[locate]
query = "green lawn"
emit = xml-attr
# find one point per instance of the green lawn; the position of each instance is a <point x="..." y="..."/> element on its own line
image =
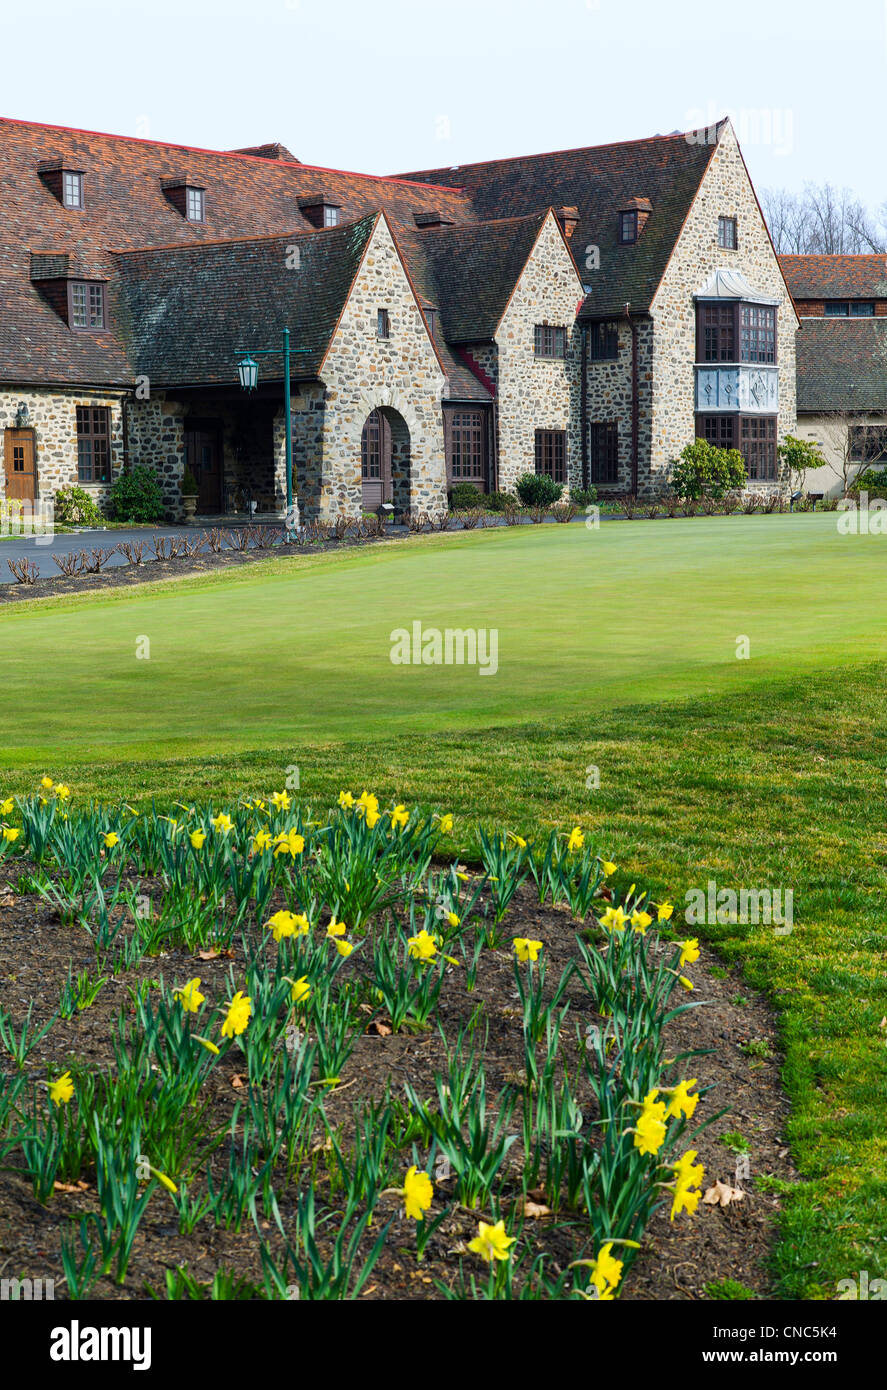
<point x="616" y="648"/>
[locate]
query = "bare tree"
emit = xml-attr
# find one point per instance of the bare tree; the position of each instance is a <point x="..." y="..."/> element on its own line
<point x="824" y="220"/>
<point x="852" y="444"/>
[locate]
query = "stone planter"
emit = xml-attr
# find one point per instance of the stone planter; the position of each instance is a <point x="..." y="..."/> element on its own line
<point x="189" y="501"/>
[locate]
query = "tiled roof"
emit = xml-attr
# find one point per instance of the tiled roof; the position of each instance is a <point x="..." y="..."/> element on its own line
<point x="842" y="364"/>
<point x="187" y="313"/>
<point x="835" y="277"/>
<point x="126" y="208"/>
<point x="469" y="272"/>
<point x="600" y="181"/>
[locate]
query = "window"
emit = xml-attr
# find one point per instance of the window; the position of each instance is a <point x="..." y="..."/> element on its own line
<point x="603" y="342"/>
<point x="87" y="305"/>
<point x="93" y="444"/>
<point x="550" y="342"/>
<point x="628" y="227"/>
<point x="721" y="326"/>
<point x="717" y="325"/>
<point x="383" y="324"/>
<point x="868" y="443"/>
<point x="371" y="447"/>
<point x="727" y="233"/>
<point x="431" y="319"/>
<point x="719" y="430"/>
<point x="854" y="308"/>
<point x="330" y="216"/>
<point x="757" y="333"/>
<point x="604" y="451"/>
<point x="467" y="446"/>
<point x="72" y="190"/>
<point x="757" y="444"/>
<point x="195" y="207"/>
<point x="551" y="454"/>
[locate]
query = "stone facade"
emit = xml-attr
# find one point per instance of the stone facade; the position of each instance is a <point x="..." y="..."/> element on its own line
<point x="53" y="418"/>
<point x="725" y="191"/>
<point x="156" y="440"/>
<point x="536" y="393"/>
<point x="401" y="373"/>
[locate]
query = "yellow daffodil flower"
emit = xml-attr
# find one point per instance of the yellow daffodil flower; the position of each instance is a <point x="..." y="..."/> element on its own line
<point x="197" y="838"/>
<point x="280" y="801"/>
<point x="608" y="867"/>
<point x="238" y="1015"/>
<point x="222" y="823"/>
<point x="336" y="928"/>
<point x="110" y="840"/>
<point x="614" y="919"/>
<point x="62" y="1089"/>
<point x="606" y="1272"/>
<point x="300" y="991"/>
<point x="7" y="807"/>
<point x="291" y="843"/>
<point x="47" y="783"/>
<point x="417" y="1192"/>
<point x="346" y="800"/>
<point x="189" y="995"/>
<point x="399" y="817"/>
<point x="518" y="840"/>
<point x="525" y="948"/>
<point x="689" y="952"/>
<point x="681" y="1102"/>
<point x="650" y="1130"/>
<point x="10" y="833"/>
<point x="664" y="912"/>
<point x="62" y="792"/>
<point x="688" y="984"/>
<point x="446" y="824"/>
<point x="576" y="840"/>
<point x="491" y="1242"/>
<point x="205" y="1042"/>
<point x="422" y="947"/>
<point x="343" y="947"/>
<point x="640" y="921"/>
<point x="281" y="924"/>
<point x="261" y="841"/>
<point x="453" y="919"/>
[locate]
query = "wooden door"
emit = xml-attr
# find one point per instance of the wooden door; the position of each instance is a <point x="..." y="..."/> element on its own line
<point x="375" y="461"/>
<point x="20" y="463"/>
<point x="204" y="457"/>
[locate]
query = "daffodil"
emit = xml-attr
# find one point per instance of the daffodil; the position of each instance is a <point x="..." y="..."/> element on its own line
<point x="576" y="840"/>
<point x="518" y="840"/>
<point x="110" y="840"/>
<point x="238" y="1015"/>
<point x="336" y="928"/>
<point x="446" y="824"/>
<point x="61" y="791"/>
<point x="606" y="1272"/>
<point x="688" y="1175"/>
<point x="346" y="800"/>
<point x="291" y="843"/>
<point x="399" y="817"/>
<point x="222" y="823"/>
<point x="664" y="912"/>
<point x="280" y="801"/>
<point x="491" y="1242"/>
<point x="417" y="1193"/>
<point x="368" y="804"/>
<point x="650" y="1129"/>
<point x="525" y="948"/>
<point x="614" y="919"/>
<point x="62" y="1089"/>
<point x="300" y="991"/>
<point x="7" y="807"/>
<point x="689" y="952"/>
<point x="261" y="841"/>
<point x="681" y="1102"/>
<point x="189" y="995"/>
<point x="47" y="783"/>
<point x="608" y="867"/>
<point x="688" y="984"/>
<point x="10" y="833"/>
<point x="422" y="947"/>
<point x="205" y="1042"/>
<point x="453" y="919"/>
<point x="197" y="838"/>
<point x="162" y="1178"/>
<point x="343" y="947"/>
<point x="640" y="921"/>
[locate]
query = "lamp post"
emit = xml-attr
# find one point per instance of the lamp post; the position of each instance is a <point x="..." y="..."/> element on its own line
<point x="248" y="373"/>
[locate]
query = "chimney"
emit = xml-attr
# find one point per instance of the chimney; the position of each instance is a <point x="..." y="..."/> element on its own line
<point x="568" y="218"/>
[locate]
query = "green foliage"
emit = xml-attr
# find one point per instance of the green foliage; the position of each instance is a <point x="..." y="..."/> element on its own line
<point x="538" y="490"/>
<point x="136" y="497"/>
<point x="583" y="496"/>
<point x="702" y="470"/>
<point x="870" y="480"/>
<point x="190" y="485"/>
<point x="798" y="455"/>
<point x="75" y="507"/>
<point x="498" y="501"/>
<point x="464" y="495"/>
<point x="728" y="1288"/>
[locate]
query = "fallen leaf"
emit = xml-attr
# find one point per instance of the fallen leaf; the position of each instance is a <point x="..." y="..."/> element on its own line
<point x="722" y="1194"/>
<point x="383" y="1029"/>
<point x="212" y="953"/>
<point x="79" y="1186"/>
<point x="534" y="1210"/>
<point x="237" y="1082"/>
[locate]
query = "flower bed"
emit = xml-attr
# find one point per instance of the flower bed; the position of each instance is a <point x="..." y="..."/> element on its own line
<point x="515" y="1153"/>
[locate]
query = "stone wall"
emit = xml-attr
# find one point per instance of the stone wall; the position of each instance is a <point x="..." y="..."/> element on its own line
<point x="725" y="191"/>
<point x="363" y="372"/>
<point x="156" y="440"/>
<point x="535" y="392"/>
<point x="54" y="422"/>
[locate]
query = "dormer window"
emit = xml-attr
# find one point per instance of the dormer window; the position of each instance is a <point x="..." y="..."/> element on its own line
<point x="187" y="198"/>
<point x="632" y="219"/>
<point x="320" y="210"/>
<point x="628" y="227"/>
<point x="72" y="189"/>
<point x="195" y="205"/>
<point x="86" y="304"/>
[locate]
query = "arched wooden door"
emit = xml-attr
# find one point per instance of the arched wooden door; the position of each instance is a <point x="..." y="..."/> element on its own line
<point x="375" y="461"/>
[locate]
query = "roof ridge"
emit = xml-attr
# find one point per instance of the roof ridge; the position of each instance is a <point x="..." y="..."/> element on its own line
<point x="226" y="154"/>
<point x="239" y="240"/>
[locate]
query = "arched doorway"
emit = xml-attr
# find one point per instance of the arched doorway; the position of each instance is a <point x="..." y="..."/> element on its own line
<point x="385" y="461"/>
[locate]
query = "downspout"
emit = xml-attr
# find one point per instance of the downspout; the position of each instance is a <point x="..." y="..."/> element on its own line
<point x="634" y="401"/>
<point x="583" y="399"/>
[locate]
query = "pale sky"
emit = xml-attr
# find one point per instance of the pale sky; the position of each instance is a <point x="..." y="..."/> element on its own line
<point x="383" y="86"/>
